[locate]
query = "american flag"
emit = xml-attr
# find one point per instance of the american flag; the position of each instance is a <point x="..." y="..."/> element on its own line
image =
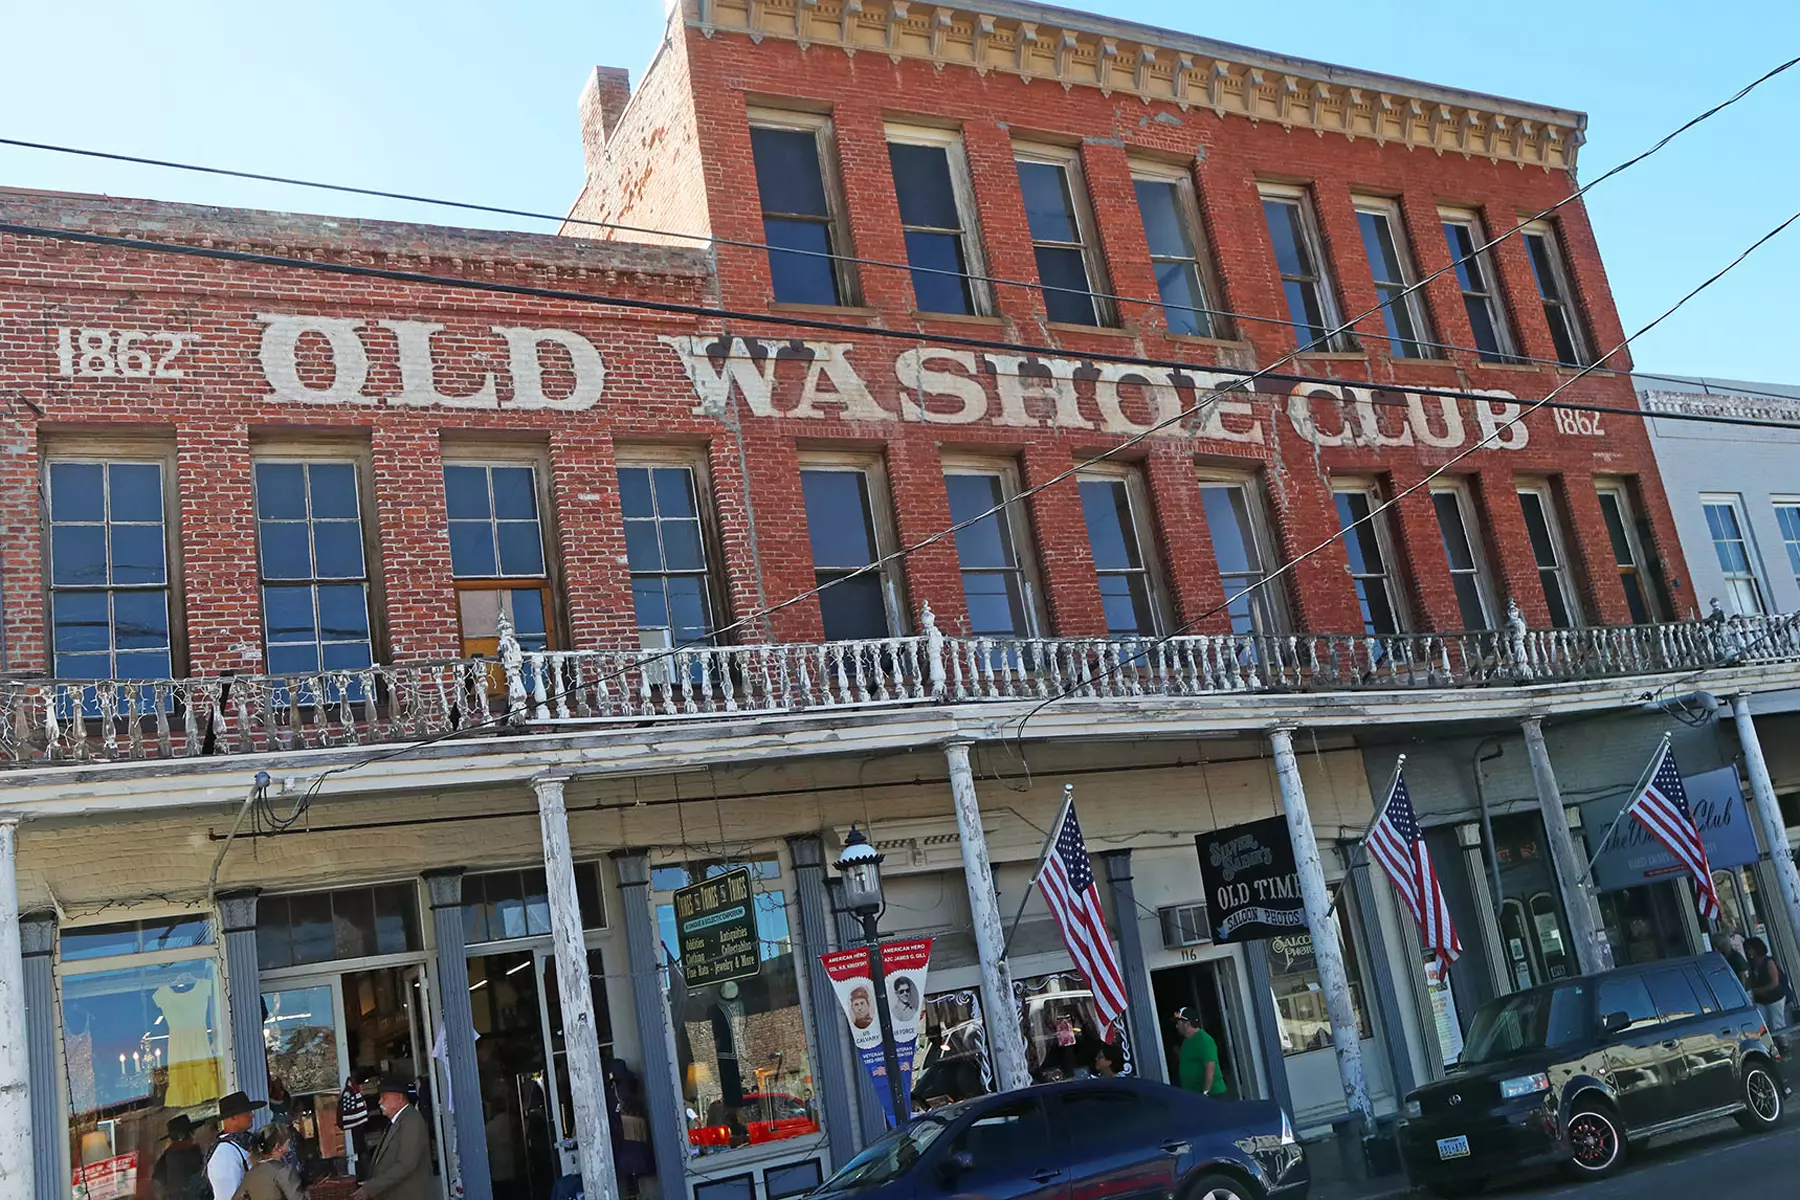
<point x="1398" y="844"/>
<point x="1662" y="808"/>
<point x="1067" y="878"/>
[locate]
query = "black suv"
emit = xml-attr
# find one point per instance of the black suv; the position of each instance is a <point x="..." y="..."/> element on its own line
<point x="1569" y="1072"/>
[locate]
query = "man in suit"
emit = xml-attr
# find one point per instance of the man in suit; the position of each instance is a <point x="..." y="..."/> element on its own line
<point x="401" y="1168"/>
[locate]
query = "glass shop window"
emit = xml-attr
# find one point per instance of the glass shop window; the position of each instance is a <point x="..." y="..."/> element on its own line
<point x="1299" y="997"/>
<point x="499" y="905"/>
<point x="312" y="927"/>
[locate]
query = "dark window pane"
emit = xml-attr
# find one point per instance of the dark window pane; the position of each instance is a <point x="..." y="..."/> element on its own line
<point x="1378" y="244"/>
<point x="338" y="549"/>
<point x="1165" y="225"/>
<point x="996" y="605"/>
<point x="688" y="613"/>
<point x="1126" y="602"/>
<point x="1107" y="507"/>
<point x="1553" y="597"/>
<point x="1635" y="601"/>
<point x="84" y="666"/>
<point x="938" y="272"/>
<point x="1468" y="602"/>
<point x="838" y="520"/>
<point x="82" y="621"/>
<point x="506" y="905"/>
<point x="1557" y="318"/>
<point x="141" y="620"/>
<point x="1481" y="323"/>
<point x="285" y="552"/>
<point x="309" y="917"/>
<point x="137" y="554"/>
<point x="681" y="545"/>
<point x="650" y="604"/>
<point x="1228" y="520"/>
<point x="288" y="613"/>
<point x="787" y="171"/>
<point x="346" y="656"/>
<point x="142" y="664"/>
<point x="280" y="491"/>
<point x="294" y="658"/>
<point x="353" y="922"/>
<point x="101" y="941"/>
<point x="136" y="492"/>
<point x="1007" y="1140"/>
<point x="1066" y="291"/>
<point x="274" y="934"/>
<point x="1450" y="526"/>
<point x="1049" y="213"/>
<point x="1288" y="235"/>
<point x="515" y="494"/>
<point x="472" y="549"/>
<point x="675" y="492"/>
<point x="801" y="269"/>
<point x="77" y="492"/>
<point x="528" y="617"/>
<point x="642" y="550"/>
<point x="922" y="184"/>
<point x="984" y="543"/>
<point x="1615" y="530"/>
<point x="396" y="919"/>
<point x="1183" y="304"/>
<point x="1627" y="994"/>
<point x="1537" y="526"/>
<point x="343" y="612"/>
<point x="1462" y="249"/>
<point x="1541" y="270"/>
<point x="854" y="608"/>
<point x="333" y="490"/>
<point x="634" y="492"/>
<point x="521" y="549"/>
<point x="77" y="555"/>
<point x="1305" y="311"/>
<point x="466" y="493"/>
<point x="1377" y="613"/>
<point x="587" y="895"/>
<point x="1098" y="1122"/>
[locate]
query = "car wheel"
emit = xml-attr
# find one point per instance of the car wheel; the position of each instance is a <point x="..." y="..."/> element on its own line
<point x="1222" y="1187"/>
<point x="1762" y="1098"/>
<point x="1596" y="1144"/>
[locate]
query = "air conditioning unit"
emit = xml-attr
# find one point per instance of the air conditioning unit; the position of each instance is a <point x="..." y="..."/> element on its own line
<point x="1184" y="925"/>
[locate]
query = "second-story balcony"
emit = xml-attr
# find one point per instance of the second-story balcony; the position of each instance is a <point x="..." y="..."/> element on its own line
<point x="48" y="722"/>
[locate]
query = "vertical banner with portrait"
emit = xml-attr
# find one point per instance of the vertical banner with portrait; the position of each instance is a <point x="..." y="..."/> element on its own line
<point x="904" y="965"/>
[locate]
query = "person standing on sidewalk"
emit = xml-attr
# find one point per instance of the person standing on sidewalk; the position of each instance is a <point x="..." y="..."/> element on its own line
<point x="1200" y="1069"/>
<point x="1768" y="987"/>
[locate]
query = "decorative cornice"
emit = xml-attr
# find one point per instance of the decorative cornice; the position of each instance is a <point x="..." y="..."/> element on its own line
<point x="1075" y="49"/>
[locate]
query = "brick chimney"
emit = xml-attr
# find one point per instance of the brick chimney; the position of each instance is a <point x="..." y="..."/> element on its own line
<point x="602" y="103"/>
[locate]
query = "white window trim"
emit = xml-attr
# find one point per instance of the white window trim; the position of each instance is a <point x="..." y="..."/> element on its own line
<point x="1137" y="495"/>
<point x="881" y="517"/>
<point x="1484" y="259"/>
<point x="1018" y="528"/>
<point x="1559" y="545"/>
<point x="1571" y="304"/>
<point x="1792" y="502"/>
<point x="1262" y="530"/>
<point x="1106" y="310"/>
<point x="1357" y="485"/>
<point x="1212" y="292"/>
<point x="1472" y="532"/>
<point x="1754" y="575"/>
<point x="1620" y="494"/>
<point x="1343" y="341"/>
<point x="836" y="207"/>
<point x="718" y="583"/>
<point x="1388" y="209"/>
<point x="962" y="186"/>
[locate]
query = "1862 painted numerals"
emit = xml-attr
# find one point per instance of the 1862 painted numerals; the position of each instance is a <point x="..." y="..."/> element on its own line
<point x="83" y="353"/>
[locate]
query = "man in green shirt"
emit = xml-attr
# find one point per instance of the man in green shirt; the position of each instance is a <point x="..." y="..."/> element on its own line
<point x="1200" y="1069"/>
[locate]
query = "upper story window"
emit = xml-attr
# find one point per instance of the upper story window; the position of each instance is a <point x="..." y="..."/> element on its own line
<point x="1063" y="239"/>
<point x="804" y="222"/>
<point x="1460" y="528"/>
<point x="315" y="575"/>
<point x="1550" y="551"/>
<point x="665" y="547"/>
<point x="1480" y="286"/>
<point x="937" y="214"/>
<point x="1243" y="541"/>
<point x="1628" y="550"/>
<point x="1373" y="562"/>
<point x="1184" y="276"/>
<point x="109" y="569"/>
<point x="1117" y="514"/>
<point x="1551" y="270"/>
<point x="1787" y="516"/>
<point x="497" y="553"/>
<point x="1731" y="542"/>
<point x="847" y="525"/>
<point x="994" y="551"/>
<point x="1391" y="266"/>
<point x="1300" y="257"/>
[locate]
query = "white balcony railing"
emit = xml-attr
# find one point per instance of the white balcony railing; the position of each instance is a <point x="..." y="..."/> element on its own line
<point x="56" y="721"/>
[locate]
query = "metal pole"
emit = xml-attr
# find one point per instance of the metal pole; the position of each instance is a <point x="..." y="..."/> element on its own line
<point x="1328" y="951"/>
<point x="898" y="1100"/>
<point x="1037" y="871"/>
<point x="1005" y="1042"/>
<point x="1781" y="854"/>
<point x="1592" y="951"/>
<point x="15" y="1064"/>
<point x="587" y="1084"/>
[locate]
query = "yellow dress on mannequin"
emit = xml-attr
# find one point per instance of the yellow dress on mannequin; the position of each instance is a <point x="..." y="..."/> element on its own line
<point x="193" y="1067"/>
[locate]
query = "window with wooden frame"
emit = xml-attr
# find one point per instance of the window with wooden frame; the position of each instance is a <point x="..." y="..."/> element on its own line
<point x="1550" y="550"/>
<point x="1312" y="305"/>
<point x="995" y="550"/>
<point x="1465" y="235"/>
<point x="1551" y="270"/>
<point x="1116" y="507"/>
<point x="498" y="555"/>
<point x="1620" y="515"/>
<point x="849" y="526"/>
<point x="1185" y="279"/>
<point x="1245" y="549"/>
<point x="663" y="497"/>
<point x="112" y="570"/>
<point x="1737" y="559"/>
<point x="805" y="223"/>
<point x="937" y="215"/>
<point x="313" y="557"/>
<point x="1392" y="268"/>
<point x="1064" y="238"/>
<point x="1374" y="565"/>
<point x="1459" y="527"/>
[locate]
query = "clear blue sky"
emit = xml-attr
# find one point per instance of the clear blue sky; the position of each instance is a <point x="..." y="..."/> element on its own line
<point x="477" y="102"/>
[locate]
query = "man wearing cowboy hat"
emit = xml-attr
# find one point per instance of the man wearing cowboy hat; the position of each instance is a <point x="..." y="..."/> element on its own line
<point x="401" y="1167"/>
<point x="180" y="1162"/>
<point x="230" y="1160"/>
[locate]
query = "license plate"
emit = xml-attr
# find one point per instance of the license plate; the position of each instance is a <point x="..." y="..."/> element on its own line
<point x="1456" y="1147"/>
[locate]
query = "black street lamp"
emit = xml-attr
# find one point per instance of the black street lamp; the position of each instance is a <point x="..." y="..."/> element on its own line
<point x="860" y="865"/>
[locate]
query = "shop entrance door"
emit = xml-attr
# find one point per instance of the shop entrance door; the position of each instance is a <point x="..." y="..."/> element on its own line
<point x="1212" y="988"/>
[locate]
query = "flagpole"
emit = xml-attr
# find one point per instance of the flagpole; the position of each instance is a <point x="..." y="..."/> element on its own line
<point x="1043" y="855"/>
<point x="1380" y="808"/>
<point x="1630" y="799"/>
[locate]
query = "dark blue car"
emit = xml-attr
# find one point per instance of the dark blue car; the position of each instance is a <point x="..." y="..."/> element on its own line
<point x="1084" y="1138"/>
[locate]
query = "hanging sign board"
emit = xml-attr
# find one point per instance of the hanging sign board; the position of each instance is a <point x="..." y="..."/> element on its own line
<point x="1252" y="886"/>
<point x="903" y="964"/>
<point x="1633" y="856"/>
<point x="715" y="921"/>
<point x="1443" y="1010"/>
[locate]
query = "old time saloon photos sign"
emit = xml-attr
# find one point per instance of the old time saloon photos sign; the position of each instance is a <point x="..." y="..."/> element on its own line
<point x="1252" y="885"/>
<point x="715" y="922"/>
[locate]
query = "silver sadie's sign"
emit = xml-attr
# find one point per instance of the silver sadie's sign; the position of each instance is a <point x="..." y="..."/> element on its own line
<point x="1252" y="884"/>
